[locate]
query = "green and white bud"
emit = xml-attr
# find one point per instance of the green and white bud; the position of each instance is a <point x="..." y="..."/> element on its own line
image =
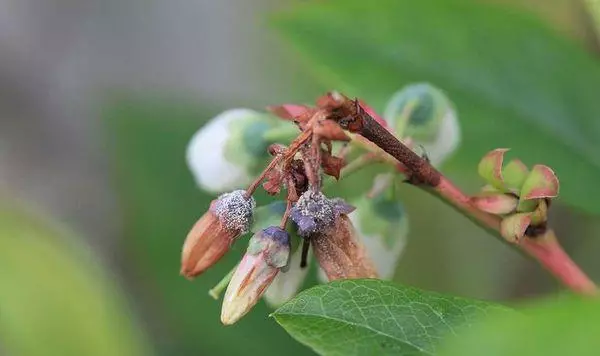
<point x="424" y="114"/>
<point x="229" y="150"/>
<point x="268" y="252"/>
<point x="382" y="226"/>
<point x="286" y="284"/>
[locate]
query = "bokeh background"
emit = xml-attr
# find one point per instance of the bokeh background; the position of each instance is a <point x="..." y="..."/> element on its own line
<point x="97" y="102"/>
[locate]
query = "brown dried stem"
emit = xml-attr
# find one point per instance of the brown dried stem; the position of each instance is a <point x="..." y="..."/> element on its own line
<point x="543" y="248"/>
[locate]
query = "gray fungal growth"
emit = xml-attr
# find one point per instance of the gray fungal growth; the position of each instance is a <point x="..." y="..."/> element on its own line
<point x="314" y="212"/>
<point x="235" y="210"/>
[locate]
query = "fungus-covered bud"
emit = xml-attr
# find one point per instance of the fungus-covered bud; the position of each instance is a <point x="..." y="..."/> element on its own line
<point x="426" y="115"/>
<point x="314" y="212"/>
<point x="230" y="149"/>
<point x="228" y="217"/>
<point x="325" y="223"/>
<point x="268" y="252"/>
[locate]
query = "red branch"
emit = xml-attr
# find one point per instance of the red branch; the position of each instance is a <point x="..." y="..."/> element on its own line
<point x="543" y="248"/>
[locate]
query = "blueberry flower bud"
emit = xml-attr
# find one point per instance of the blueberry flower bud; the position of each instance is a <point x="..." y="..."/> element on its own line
<point x="340" y="253"/>
<point x="268" y="252"/>
<point x="229" y="150"/>
<point x="382" y="226"/>
<point x="425" y="114"/>
<point x="286" y="285"/>
<point x="228" y="217"/>
<point x="314" y="212"/>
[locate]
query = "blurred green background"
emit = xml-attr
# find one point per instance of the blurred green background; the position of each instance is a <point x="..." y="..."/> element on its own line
<point x="98" y="100"/>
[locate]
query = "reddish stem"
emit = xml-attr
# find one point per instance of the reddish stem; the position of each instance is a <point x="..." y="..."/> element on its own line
<point x="545" y="248"/>
<point x="548" y="252"/>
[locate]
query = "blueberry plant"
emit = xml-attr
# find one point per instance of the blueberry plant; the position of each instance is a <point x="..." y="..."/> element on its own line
<point x="298" y="153"/>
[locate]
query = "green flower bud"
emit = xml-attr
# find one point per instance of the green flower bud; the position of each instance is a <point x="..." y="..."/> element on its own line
<point x="382" y="226"/>
<point x="426" y="115"/>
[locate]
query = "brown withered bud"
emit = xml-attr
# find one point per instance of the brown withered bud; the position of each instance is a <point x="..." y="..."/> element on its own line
<point x="325" y="223"/>
<point x="340" y="254"/>
<point x="332" y="165"/>
<point x="298" y="176"/>
<point x="228" y="217"/>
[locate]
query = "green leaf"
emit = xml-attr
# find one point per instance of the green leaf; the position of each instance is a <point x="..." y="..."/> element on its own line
<point x="56" y="298"/>
<point x="374" y="317"/>
<point x="515" y="82"/>
<point x="568" y="326"/>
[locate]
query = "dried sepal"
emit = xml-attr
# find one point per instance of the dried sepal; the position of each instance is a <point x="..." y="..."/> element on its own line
<point x="513" y="227"/>
<point x="340" y="254"/>
<point x="330" y="130"/>
<point x="332" y="165"/>
<point x="490" y="168"/>
<point x="540" y="183"/>
<point x="332" y="99"/>
<point x="289" y="111"/>
<point x="273" y="182"/>
<point x="495" y="203"/>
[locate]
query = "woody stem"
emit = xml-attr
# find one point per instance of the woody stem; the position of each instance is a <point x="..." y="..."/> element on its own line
<point x="544" y="249"/>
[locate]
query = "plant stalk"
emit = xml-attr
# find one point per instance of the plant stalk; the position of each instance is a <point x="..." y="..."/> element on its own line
<point x="545" y="249"/>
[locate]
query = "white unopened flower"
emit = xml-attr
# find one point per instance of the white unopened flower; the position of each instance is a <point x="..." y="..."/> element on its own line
<point x="224" y="154"/>
<point x="286" y="285"/>
<point x="423" y="113"/>
<point x="382" y="227"/>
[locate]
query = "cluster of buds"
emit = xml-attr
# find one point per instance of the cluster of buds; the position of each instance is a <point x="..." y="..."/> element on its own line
<point x="229" y="152"/>
<point x="521" y="196"/>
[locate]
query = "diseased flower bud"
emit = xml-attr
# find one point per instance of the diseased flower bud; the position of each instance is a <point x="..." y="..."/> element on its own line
<point x="314" y="212"/>
<point x="229" y="150"/>
<point x="326" y="224"/>
<point x="228" y="217"/>
<point x="268" y="252"/>
<point x="339" y="252"/>
<point x="382" y="226"/>
<point x="424" y="113"/>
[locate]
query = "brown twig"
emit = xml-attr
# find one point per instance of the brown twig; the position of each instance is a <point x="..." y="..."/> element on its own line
<point x="286" y="157"/>
<point x="545" y="248"/>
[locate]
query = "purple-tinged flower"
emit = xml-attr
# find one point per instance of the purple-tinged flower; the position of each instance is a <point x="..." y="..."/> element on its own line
<point x="268" y="252"/>
<point x="314" y="212"/>
<point x="228" y="217"/>
<point x="325" y="223"/>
